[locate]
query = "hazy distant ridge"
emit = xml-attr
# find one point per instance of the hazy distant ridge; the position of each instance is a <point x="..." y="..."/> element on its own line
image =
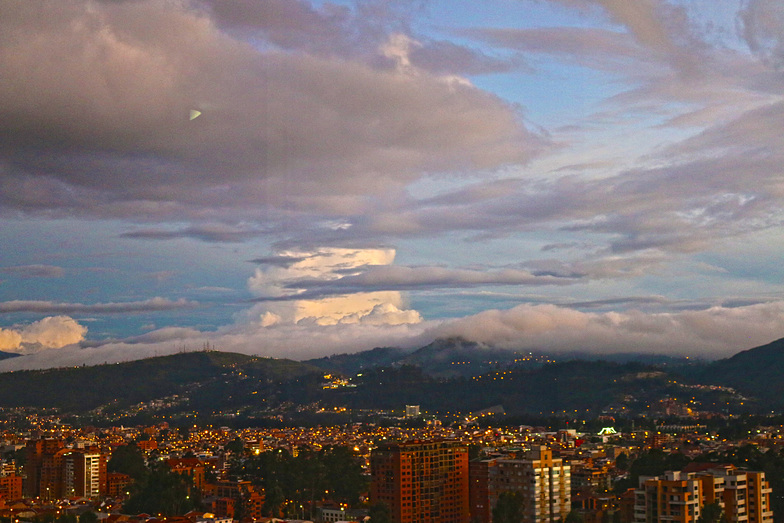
<point x="450" y="374"/>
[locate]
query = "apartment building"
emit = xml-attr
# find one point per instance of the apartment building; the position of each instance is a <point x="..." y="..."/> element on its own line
<point x="421" y="481"/>
<point x="543" y="481"/>
<point x="85" y="474"/>
<point x="680" y="496"/>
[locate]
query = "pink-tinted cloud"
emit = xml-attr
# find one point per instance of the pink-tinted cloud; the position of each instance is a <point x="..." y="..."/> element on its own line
<point x="103" y="130"/>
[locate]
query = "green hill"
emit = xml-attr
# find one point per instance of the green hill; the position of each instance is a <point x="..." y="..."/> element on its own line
<point x="447" y="375"/>
<point x="443" y="358"/>
<point x="757" y="372"/>
<point x="81" y="389"/>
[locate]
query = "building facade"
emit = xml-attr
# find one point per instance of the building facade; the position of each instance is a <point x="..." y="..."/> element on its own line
<point x="53" y="471"/>
<point x="543" y="481"/>
<point x="421" y="481"/>
<point x="479" y="489"/>
<point x="85" y="474"/>
<point x="680" y="496"/>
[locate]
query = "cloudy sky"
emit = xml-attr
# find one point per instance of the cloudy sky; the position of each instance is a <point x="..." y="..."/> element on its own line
<point x="598" y="175"/>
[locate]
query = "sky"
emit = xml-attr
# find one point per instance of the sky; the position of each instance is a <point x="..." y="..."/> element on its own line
<point x="557" y="175"/>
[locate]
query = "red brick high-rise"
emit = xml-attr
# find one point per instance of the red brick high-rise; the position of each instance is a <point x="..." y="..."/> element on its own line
<point x="421" y="481"/>
<point x="42" y="466"/>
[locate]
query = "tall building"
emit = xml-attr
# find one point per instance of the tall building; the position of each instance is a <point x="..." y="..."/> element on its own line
<point x="421" y="481"/>
<point x="747" y="497"/>
<point x="84" y="474"/>
<point x="52" y="475"/>
<point x="40" y="471"/>
<point x="675" y="497"/>
<point x="10" y="487"/>
<point x="53" y="471"/>
<point x="479" y="489"/>
<point x="543" y="481"/>
<point x="680" y="496"/>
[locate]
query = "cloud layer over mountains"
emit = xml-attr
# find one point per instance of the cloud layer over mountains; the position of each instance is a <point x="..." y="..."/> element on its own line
<point x="552" y="174"/>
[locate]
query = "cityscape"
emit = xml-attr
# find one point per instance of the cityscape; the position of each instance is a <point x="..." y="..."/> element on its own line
<point x="257" y="440"/>
<point x="408" y="467"/>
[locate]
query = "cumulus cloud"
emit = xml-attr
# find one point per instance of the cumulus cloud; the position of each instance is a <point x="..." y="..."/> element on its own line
<point x="710" y="333"/>
<point x="327" y="264"/>
<point x="52" y="332"/>
<point x="10" y="339"/>
<point x="386" y="314"/>
<point x="50" y="307"/>
<point x="286" y="289"/>
<point x="284" y="340"/>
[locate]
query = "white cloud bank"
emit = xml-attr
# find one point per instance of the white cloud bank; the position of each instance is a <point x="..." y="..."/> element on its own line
<point x="53" y="332"/>
<point x="711" y="333"/>
<point x="324" y="265"/>
<point x="715" y="332"/>
<point x="294" y="319"/>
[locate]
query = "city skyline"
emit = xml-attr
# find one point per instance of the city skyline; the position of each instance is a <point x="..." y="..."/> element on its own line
<point x="298" y="178"/>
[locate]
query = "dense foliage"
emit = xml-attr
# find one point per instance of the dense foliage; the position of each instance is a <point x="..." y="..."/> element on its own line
<point x="334" y="473"/>
<point x="509" y="508"/>
<point x="116" y="386"/>
<point x="254" y="390"/>
<point x="128" y="459"/>
<point x="162" y="492"/>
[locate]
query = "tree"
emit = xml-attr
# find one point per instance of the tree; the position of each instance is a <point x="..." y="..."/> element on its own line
<point x="236" y="445"/>
<point x="162" y="492"/>
<point x="128" y="459"/>
<point x="88" y="517"/>
<point x="273" y="500"/>
<point x="379" y="513"/>
<point x="509" y="508"/>
<point x="343" y="474"/>
<point x="711" y="513"/>
<point x="622" y="461"/>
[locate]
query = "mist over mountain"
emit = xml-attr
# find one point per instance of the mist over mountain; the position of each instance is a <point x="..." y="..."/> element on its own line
<point x="445" y="376"/>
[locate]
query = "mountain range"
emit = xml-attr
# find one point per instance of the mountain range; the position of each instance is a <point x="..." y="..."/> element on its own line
<point x="446" y="375"/>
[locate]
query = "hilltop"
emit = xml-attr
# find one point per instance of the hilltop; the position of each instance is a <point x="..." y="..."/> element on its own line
<point x="447" y="375"/>
<point x="80" y="389"/>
